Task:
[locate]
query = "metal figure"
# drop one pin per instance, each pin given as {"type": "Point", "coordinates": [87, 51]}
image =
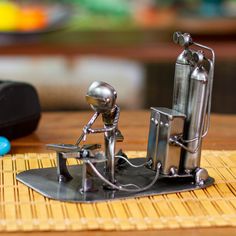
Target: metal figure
{"type": "Point", "coordinates": [102, 99]}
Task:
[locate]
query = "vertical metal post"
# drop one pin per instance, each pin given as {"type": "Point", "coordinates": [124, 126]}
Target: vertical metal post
{"type": "Point", "coordinates": [62, 171]}
{"type": "Point", "coordinates": [110, 155]}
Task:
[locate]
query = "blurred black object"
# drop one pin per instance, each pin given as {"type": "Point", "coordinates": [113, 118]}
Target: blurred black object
{"type": "Point", "coordinates": [19, 109]}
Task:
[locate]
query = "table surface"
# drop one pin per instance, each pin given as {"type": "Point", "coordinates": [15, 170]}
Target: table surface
{"type": "Point", "coordinates": [65, 127]}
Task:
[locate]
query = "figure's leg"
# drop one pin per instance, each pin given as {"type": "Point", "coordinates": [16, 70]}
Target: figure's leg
{"type": "Point", "coordinates": [110, 155]}
{"type": "Point", "coordinates": [62, 171]}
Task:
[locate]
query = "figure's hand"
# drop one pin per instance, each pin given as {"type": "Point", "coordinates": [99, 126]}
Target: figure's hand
{"type": "Point", "coordinates": [90, 131]}
{"type": "Point", "coordinates": [85, 132]}
{"type": "Point", "coordinates": [83, 136]}
{"type": "Point", "coordinates": [85, 129]}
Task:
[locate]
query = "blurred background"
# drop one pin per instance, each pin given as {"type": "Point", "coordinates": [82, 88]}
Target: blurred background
{"type": "Point", "coordinates": [62, 46]}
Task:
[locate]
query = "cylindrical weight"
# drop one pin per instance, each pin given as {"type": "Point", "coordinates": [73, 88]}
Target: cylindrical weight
{"type": "Point", "coordinates": [183, 69]}
{"type": "Point", "coordinates": [196, 112]}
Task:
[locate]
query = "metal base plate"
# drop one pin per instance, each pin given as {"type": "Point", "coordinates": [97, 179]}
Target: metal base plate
{"type": "Point", "coordinates": [44, 181]}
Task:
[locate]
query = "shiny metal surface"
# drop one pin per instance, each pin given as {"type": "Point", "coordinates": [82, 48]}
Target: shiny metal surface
{"type": "Point", "coordinates": [164, 124]}
{"type": "Point", "coordinates": [183, 69]}
{"type": "Point", "coordinates": [176, 36]}
{"type": "Point", "coordinates": [201, 176]}
{"type": "Point", "coordinates": [195, 118]}
{"type": "Point", "coordinates": [211, 77]}
{"type": "Point", "coordinates": [101, 96]}
{"type": "Point", "coordinates": [183, 39]}
{"type": "Point", "coordinates": [45, 182]}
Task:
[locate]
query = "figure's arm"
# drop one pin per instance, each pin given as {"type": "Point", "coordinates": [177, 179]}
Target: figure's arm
{"type": "Point", "coordinates": [90, 123]}
{"type": "Point", "coordinates": [102, 130]}
{"type": "Point", "coordinates": [87, 127]}
{"type": "Point", "coordinates": [112, 127]}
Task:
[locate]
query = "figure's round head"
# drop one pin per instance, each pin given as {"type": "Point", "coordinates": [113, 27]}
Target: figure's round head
{"type": "Point", "coordinates": [101, 96]}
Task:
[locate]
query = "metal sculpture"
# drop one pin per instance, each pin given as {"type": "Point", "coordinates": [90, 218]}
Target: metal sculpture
{"type": "Point", "coordinates": [174, 146]}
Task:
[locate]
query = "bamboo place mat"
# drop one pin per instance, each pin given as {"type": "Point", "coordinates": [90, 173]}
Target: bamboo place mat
{"type": "Point", "coordinates": [22, 209]}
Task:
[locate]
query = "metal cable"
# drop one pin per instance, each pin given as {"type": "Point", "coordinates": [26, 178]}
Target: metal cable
{"type": "Point", "coordinates": [130, 163]}
{"type": "Point", "coordinates": [120, 187]}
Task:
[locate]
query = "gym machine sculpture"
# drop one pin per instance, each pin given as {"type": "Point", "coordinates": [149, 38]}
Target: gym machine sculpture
{"type": "Point", "coordinates": [174, 145]}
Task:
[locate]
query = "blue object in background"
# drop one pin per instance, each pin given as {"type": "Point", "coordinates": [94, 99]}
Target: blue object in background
{"type": "Point", "coordinates": [5, 146]}
{"type": "Point", "coordinates": [211, 8]}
